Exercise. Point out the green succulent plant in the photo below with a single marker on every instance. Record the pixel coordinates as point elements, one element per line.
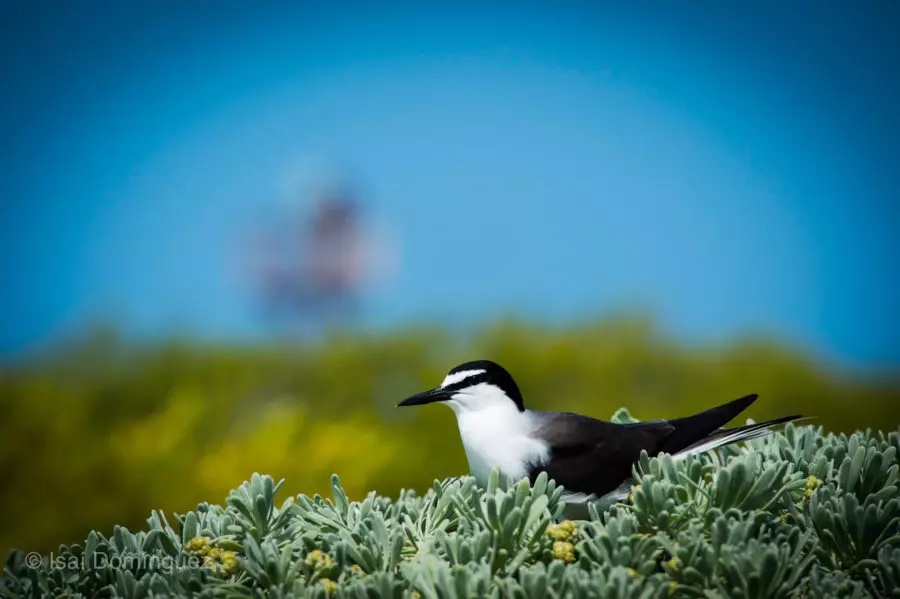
<point>800,513</point>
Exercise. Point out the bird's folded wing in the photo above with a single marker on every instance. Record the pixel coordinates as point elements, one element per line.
<point>593,457</point>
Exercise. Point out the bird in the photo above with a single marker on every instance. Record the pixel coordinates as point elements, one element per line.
<point>592,459</point>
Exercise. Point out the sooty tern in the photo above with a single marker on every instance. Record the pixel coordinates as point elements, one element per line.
<point>592,459</point>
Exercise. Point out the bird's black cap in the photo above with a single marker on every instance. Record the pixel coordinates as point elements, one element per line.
<point>483,371</point>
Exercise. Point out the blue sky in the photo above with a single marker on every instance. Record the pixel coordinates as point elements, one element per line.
<point>731,168</point>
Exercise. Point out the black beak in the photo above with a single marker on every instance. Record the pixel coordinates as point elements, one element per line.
<point>425,397</point>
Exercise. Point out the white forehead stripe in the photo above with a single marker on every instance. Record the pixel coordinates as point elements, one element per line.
<point>456,377</point>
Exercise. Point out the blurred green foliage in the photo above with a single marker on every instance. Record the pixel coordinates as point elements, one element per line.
<point>100,431</point>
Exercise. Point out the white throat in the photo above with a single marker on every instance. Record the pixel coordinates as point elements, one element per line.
<point>495,434</point>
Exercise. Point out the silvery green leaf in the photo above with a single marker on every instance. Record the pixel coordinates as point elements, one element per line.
<point>523,492</point>
<point>540,484</point>
<point>493,481</point>
<point>189,527</point>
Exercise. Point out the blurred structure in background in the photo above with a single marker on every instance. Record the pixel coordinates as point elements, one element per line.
<point>311,263</point>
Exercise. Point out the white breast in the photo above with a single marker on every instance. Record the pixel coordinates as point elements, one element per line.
<point>499,437</point>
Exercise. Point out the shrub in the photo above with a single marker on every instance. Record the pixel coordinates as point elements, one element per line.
<point>796,514</point>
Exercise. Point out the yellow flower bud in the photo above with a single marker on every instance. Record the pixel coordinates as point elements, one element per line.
<point>197,545</point>
<point>330,586</point>
<point>556,531</point>
<point>564,551</point>
<point>314,556</point>
<point>230,566</point>
<point>318,559</point>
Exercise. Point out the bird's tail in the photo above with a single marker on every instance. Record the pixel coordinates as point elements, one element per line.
<point>727,436</point>
<point>702,432</point>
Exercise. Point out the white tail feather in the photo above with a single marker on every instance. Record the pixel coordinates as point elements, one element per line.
<point>735,437</point>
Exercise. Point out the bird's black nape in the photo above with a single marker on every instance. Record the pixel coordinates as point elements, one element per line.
<point>493,374</point>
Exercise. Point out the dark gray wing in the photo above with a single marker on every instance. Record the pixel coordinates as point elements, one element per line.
<point>593,456</point>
